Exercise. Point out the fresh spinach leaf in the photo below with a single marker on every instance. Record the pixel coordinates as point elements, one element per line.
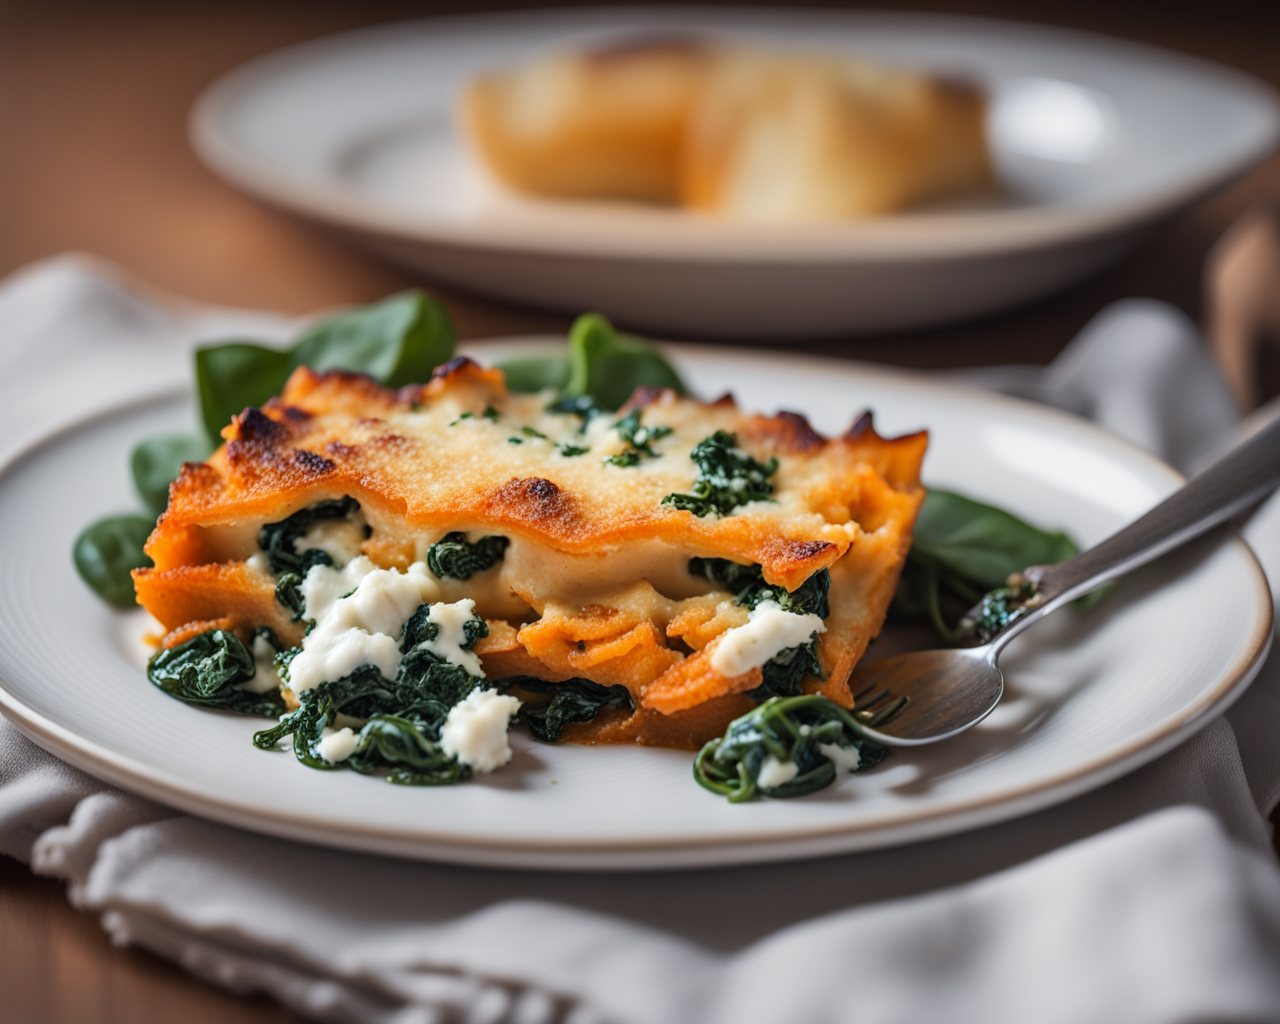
<point>157,461</point>
<point>397,341</point>
<point>233,376</point>
<point>452,556</point>
<point>574,700</point>
<point>980,543</point>
<point>727,478</point>
<point>106,550</point>
<point>609,366</point>
<point>790,731</point>
<point>208,671</point>
<point>527,375</point>
<point>961,549</point>
<point>277,539</point>
<point>639,440</point>
<point>601,364</point>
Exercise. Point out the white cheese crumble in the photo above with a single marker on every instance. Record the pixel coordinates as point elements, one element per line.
<point>768,632</point>
<point>337,744</point>
<point>264,678</point>
<point>844,758</point>
<point>340,539</point>
<point>451,618</point>
<point>259,563</point>
<point>361,628</point>
<point>775,773</point>
<point>476,730</point>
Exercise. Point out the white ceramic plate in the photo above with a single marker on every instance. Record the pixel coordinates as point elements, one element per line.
<point>1090,697</point>
<point>1096,141</point>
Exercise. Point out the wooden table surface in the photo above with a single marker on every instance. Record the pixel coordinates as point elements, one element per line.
<point>93,157</point>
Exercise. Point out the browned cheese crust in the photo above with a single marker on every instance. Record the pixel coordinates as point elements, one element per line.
<point>595,583</point>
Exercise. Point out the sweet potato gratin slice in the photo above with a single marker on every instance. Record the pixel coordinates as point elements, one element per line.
<point>684,560</point>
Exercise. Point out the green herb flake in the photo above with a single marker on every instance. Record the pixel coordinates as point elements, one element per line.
<point>639,440</point>
<point>727,478</point>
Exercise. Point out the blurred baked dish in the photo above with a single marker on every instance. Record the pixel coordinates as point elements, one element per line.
<point>740,134</point>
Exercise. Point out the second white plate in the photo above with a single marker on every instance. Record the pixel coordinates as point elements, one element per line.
<point>1090,696</point>
<point>1096,140</point>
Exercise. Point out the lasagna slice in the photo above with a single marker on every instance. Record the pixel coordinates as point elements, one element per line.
<point>686,559</point>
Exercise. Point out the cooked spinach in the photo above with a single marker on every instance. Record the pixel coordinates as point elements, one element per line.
<point>748,583</point>
<point>289,595</point>
<point>208,671</point>
<point>727,478</point>
<point>157,461</point>
<point>784,671</point>
<point>1000,607</point>
<point>639,440</point>
<point>402,717</point>
<point>408,750</point>
<point>790,731</point>
<point>419,629</point>
<point>107,550</point>
<point>454,557</point>
<point>277,539</point>
<point>574,700</point>
<point>963,548</point>
<point>397,341</point>
<point>600,362</point>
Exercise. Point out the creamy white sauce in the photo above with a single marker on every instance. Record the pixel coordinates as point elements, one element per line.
<point>476,730</point>
<point>775,773</point>
<point>340,539</point>
<point>259,563</point>
<point>844,758</point>
<point>337,744</point>
<point>359,629</point>
<point>768,632</point>
<point>264,678</point>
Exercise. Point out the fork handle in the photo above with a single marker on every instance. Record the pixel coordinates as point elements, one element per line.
<point>1232,483</point>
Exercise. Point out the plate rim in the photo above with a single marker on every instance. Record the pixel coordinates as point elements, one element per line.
<point>890,240</point>
<point>667,853</point>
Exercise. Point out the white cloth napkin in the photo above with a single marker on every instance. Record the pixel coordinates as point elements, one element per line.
<point>1154,899</point>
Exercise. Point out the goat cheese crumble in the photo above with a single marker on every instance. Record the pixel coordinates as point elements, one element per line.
<point>337,744</point>
<point>775,773</point>
<point>768,632</point>
<point>476,730</point>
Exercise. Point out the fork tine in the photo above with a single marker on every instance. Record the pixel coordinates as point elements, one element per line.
<point>871,719</point>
